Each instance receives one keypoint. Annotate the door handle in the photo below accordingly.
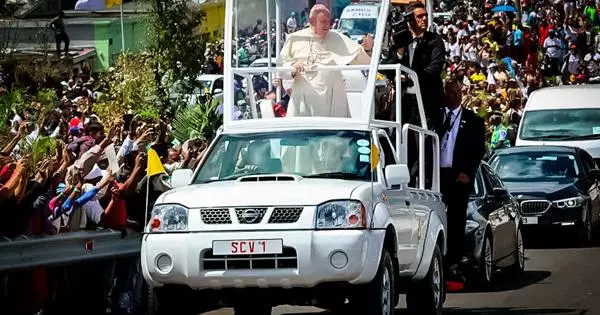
(407, 203)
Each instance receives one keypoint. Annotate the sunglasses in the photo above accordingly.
(421, 16)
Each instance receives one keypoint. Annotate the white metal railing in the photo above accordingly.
(423, 133)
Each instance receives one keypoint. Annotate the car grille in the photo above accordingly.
(215, 216)
(250, 215)
(285, 215)
(288, 259)
(534, 206)
(280, 215)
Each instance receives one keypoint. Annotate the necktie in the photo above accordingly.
(446, 126)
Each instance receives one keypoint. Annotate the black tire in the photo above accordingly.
(377, 297)
(426, 297)
(252, 309)
(485, 269)
(517, 270)
(167, 300)
(587, 232)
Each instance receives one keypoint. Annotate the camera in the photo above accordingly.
(398, 26)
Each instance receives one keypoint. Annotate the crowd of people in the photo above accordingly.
(499, 60)
(502, 59)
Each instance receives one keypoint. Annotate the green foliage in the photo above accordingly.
(174, 42)
(11, 102)
(130, 87)
(47, 100)
(199, 122)
(39, 149)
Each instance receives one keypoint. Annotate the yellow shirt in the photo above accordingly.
(478, 77)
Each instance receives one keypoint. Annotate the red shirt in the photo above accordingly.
(116, 216)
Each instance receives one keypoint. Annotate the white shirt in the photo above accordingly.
(449, 139)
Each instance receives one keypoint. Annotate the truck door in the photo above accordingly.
(399, 201)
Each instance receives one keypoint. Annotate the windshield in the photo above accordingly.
(358, 26)
(327, 154)
(525, 166)
(561, 124)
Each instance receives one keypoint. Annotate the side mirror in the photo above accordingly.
(181, 177)
(500, 193)
(217, 91)
(397, 174)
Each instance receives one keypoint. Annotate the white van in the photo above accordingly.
(359, 19)
(563, 116)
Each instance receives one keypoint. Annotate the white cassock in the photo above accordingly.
(320, 93)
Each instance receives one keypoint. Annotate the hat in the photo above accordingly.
(94, 173)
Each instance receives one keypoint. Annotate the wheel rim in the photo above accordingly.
(488, 259)
(386, 292)
(436, 278)
(521, 250)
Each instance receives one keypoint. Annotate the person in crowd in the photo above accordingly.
(60, 34)
(500, 137)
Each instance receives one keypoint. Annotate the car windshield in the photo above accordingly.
(317, 154)
(525, 166)
(571, 124)
(358, 26)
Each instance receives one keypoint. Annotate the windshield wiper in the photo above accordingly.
(597, 136)
(338, 175)
(549, 137)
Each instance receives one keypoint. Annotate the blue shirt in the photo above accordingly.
(518, 37)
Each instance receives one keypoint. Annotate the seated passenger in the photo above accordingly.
(320, 93)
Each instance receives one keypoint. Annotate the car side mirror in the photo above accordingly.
(500, 193)
(181, 177)
(217, 91)
(397, 174)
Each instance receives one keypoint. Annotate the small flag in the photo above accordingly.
(154, 164)
(374, 156)
(111, 3)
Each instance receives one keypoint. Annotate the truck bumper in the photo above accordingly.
(309, 258)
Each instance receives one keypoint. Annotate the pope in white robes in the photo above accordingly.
(320, 93)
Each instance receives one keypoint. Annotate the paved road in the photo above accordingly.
(558, 281)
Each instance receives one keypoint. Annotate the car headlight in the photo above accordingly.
(341, 214)
(168, 218)
(569, 202)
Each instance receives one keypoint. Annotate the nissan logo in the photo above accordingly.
(250, 216)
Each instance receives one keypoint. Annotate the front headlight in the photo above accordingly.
(168, 218)
(569, 202)
(471, 225)
(341, 214)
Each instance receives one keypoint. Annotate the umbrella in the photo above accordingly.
(504, 8)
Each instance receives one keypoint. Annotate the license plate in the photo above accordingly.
(530, 220)
(247, 247)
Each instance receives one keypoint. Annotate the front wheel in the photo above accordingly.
(426, 296)
(517, 269)
(377, 297)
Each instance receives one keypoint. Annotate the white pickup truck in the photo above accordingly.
(302, 211)
(289, 215)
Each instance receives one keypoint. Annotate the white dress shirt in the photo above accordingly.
(449, 139)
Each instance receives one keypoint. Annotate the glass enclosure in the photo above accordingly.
(323, 68)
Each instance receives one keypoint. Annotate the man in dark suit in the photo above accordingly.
(423, 52)
(462, 147)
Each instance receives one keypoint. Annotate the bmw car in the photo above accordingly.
(557, 187)
(493, 232)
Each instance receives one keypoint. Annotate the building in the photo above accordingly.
(93, 35)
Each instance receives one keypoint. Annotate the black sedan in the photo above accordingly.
(557, 187)
(493, 232)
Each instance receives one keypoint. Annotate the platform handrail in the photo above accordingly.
(69, 248)
(435, 185)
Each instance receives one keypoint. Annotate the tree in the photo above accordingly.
(175, 44)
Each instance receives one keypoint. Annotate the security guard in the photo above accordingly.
(499, 138)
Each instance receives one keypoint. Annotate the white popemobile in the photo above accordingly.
(301, 211)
